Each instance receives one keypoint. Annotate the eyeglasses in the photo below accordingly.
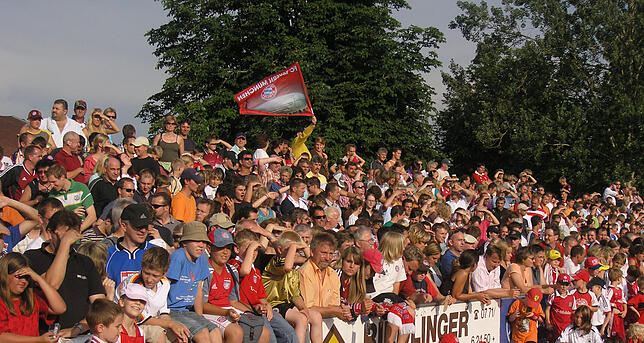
(242, 138)
(141, 228)
(129, 190)
(158, 205)
(359, 186)
(319, 217)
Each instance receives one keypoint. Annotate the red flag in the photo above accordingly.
(281, 94)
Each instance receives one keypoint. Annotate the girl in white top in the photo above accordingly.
(393, 273)
(581, 330)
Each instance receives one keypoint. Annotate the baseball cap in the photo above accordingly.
(593, 263)
(221, 238)
(449, 338)
(141, 141)
(533, 297)
(582, 274)
(34, 115)
(469, 239)
(240, 134)
(135, 291)
(447, 161)
(596, 281)
(375, 259)
(80, 104)
(194, 231)
(221, 220)
(522, 206)
(553, 254)
(191, 174)
(136, 215)
(563, 278)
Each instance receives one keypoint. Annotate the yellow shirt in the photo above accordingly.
(299, 143)
(281, 286)
(184, 208)
(316, 292)
(320, 177)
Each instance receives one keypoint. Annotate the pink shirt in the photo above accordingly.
(482, 279)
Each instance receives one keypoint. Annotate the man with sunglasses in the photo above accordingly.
(80, 109)
(240, 143)
(124, 189)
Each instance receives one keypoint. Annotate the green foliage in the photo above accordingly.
(555, 87)
(361, 69)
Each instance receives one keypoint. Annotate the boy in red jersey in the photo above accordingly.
(580, 281)
(560, 308)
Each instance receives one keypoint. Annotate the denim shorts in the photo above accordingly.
(193, 321)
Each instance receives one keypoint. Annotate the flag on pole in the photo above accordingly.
(281, 94)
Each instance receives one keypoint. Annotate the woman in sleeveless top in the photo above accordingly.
(170, 142)
(519, 274)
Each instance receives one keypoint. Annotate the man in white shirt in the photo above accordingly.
(443, 171)
(59, 124)
(487, 275)
(572, 263)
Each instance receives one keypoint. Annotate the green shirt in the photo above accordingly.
(76, 196)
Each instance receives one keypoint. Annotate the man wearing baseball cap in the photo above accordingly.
(524, 314)
(240, 143)
(143, 160)
(124, 258)
(34, 119)
(184, 207)
(80, 109)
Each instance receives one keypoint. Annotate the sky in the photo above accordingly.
(97, 51)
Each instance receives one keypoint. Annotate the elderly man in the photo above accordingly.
(332, 219)
(104, 189)
(455, 246)
(319, 283)
(59, 124)
(69, 159)
(487, 275)
(364, 238)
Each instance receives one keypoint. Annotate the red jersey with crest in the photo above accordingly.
(583, 298)
(251, 288)
(561, 310)
(220, 287)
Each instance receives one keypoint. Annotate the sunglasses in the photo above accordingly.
(158, 205)
(111, 117)
(319, 217)
(247, 158)
(129, 190)
(177, 237)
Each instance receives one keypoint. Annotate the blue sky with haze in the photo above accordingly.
(96, 50)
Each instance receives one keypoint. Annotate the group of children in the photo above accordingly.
(595, 304)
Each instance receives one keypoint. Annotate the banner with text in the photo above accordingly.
(281, 94)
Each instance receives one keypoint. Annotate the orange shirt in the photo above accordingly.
(314, 291)
(524, 329)
(184, 208)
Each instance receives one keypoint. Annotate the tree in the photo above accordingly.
(554, 86)
(361, 69)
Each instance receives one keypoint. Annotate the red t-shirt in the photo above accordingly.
(407, 288)
(638, 302)
(583, 298)
(138, 338)
(561, 310)
(220, 288)
(70, 163)
(20, 324)
(251, 288)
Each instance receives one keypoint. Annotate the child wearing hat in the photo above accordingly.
(561, 305)
(132, 301)
(187, 272)
(582, 296)
(524, 314)
(601, 317)
(553, 267)
(595, 268)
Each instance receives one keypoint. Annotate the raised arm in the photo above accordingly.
(30, 214)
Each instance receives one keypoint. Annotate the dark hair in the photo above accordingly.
(468, 259)
(167, 200)
(63, 218)
(44, 163)
(577, 250)
(523, 254)
(244, 153)
(102, 311)
(49, 203)
(62, 102)
(128, 131)
(121, 182)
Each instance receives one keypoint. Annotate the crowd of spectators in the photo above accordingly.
(175, 240)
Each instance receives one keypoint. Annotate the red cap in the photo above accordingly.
(449, 338)
(563, 278)
(593, 263)
(582, 274)
(375, 259)
(34, 115)
(533, 297)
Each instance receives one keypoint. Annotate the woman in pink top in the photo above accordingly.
(519, 274)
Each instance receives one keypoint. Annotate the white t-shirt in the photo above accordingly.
(50, 125)
(5, 163)
(603, 307)
(391, 273)
(570, 267)
(571, 335)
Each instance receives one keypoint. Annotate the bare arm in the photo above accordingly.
(156, 139)
(56, 272)
(181, 145)
(247, 265)
(56, 303)
(30, 214)
(199, 298)
(26, 196)
(90, 218)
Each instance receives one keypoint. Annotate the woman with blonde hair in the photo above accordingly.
(418, 236)
(432, 254)
(263, 201)
(100, 147)
(101, 123)
(170, 142)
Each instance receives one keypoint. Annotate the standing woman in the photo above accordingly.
(170, 142)
(99, 122)
(20, 307)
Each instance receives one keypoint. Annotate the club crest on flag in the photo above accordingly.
(269, 92)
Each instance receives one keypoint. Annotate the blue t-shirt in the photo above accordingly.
(11, 240)
(185, 276)
(446, 263)
(122, 263)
